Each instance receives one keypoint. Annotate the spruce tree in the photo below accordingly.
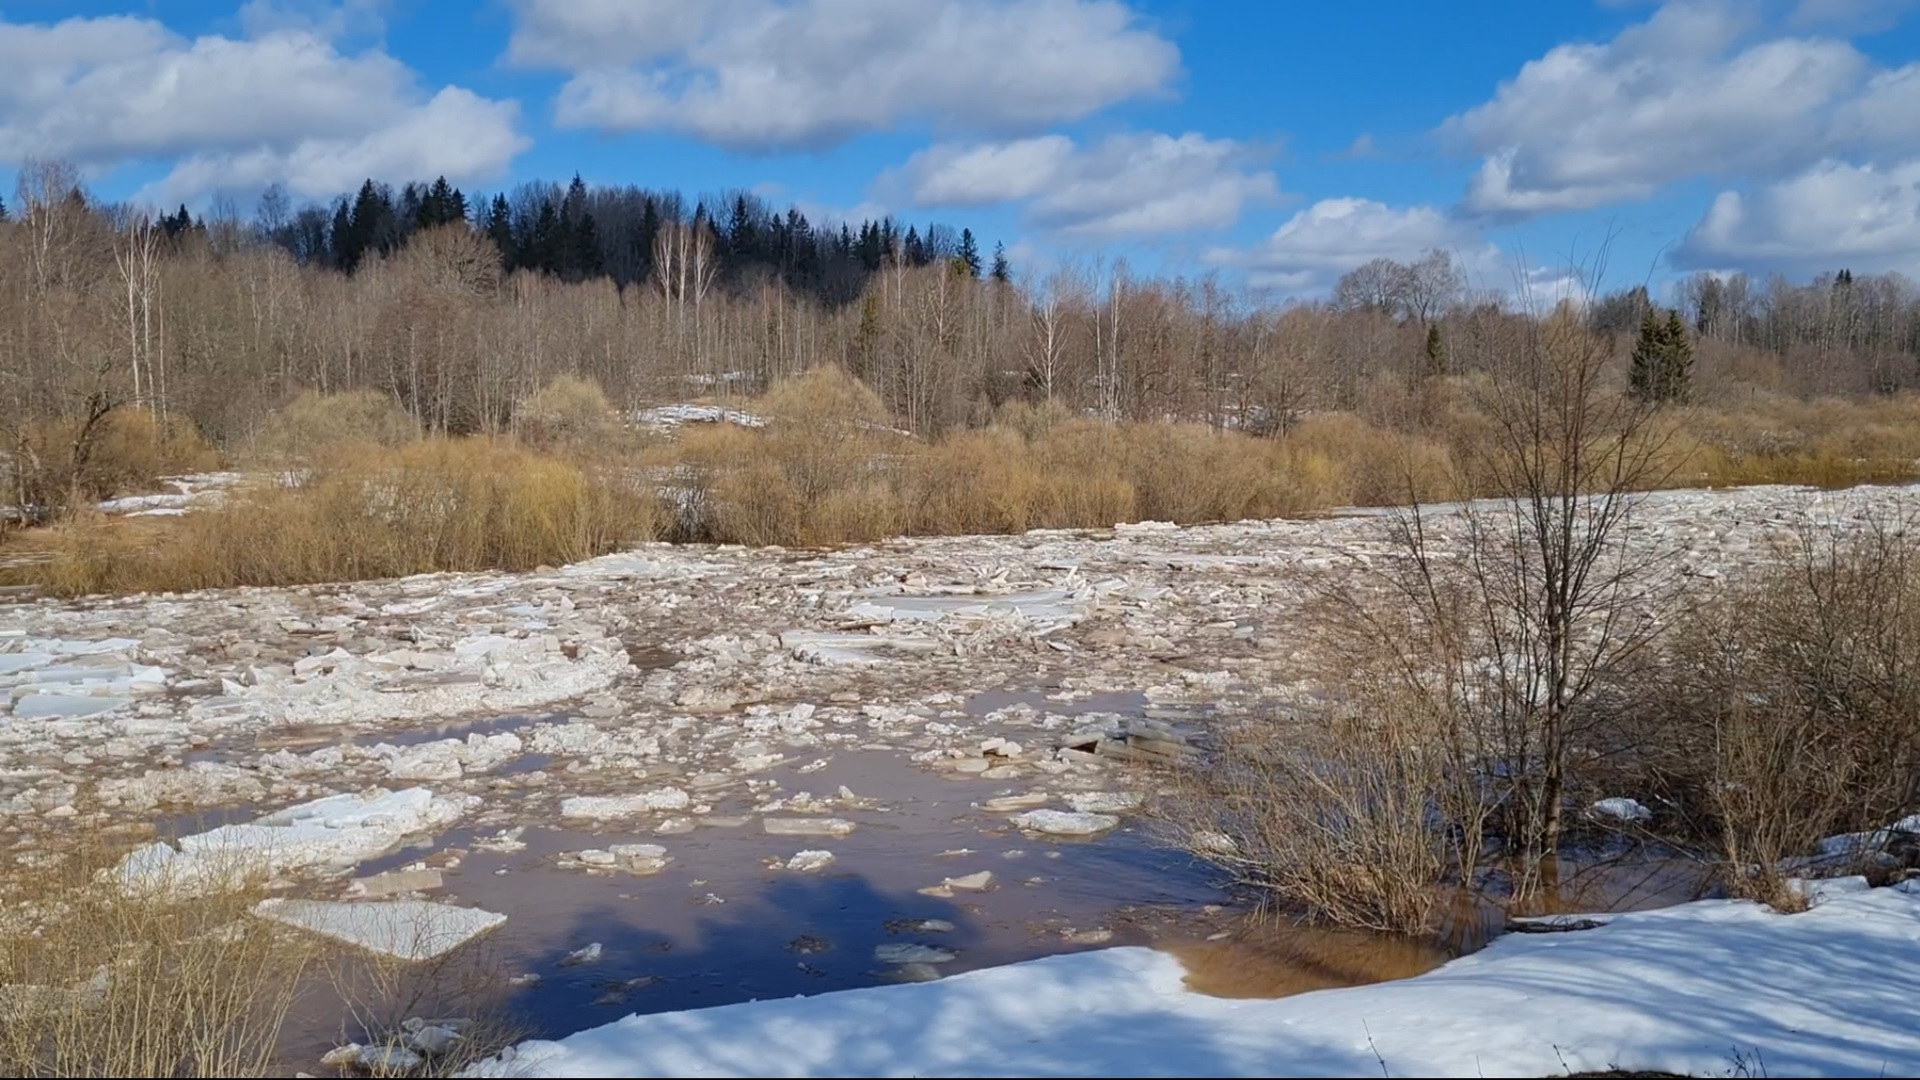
(1436, 351)
(340, 239)
(543, 249)
(500, 230)
(1001, 272)
(1643, 377)
(412, 207)
(969, 254)
(743, 239)
(3, 209)
(583, 256)
(1676, 381)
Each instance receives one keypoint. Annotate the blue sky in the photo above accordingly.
(1277, 143)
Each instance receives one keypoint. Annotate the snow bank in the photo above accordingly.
(670, 417)
(197, 489)
(331, 833)
(1827, 992)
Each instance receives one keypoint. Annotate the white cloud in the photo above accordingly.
(1832, 215)
(1125, 185)
(1856, 16)
(237, 114)
(1691, 91)
(457, 134)
(328, 19)
(1307, 254)
(772, 74)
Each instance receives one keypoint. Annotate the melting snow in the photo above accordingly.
(1684, 990)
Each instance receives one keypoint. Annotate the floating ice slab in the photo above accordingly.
(65, 706)
(602, 807)
(1046, 606)
(858, 650)
(1065, 822)
(1104, 802)
(407, 929)
(335, 832)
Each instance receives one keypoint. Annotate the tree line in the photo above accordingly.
(578, 233)
(457, 306)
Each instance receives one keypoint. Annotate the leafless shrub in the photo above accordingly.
(1350, 814)
(432, 1017)
(97, 982)
(568, 414)
(314, 425)
(1800, 686)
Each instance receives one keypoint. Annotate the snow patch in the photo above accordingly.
(1648, 991)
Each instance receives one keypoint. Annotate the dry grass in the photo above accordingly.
(1355, 463)
(434, 505)
(829, 470)
(97, 983)
(1827, 443)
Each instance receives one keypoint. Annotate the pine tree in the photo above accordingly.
(1676, 374)
(1643, 377)
(969, 254)
(1001, 272)
(1436, 351)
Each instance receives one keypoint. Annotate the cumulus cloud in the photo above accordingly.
(1125, 185)
(784, 74)
(1855, 16)
(234, 115)
(1307, 254)
(1697, 89)
(1834, 214)
(329, 19)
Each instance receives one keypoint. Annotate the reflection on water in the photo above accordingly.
(1270, 956)
(1273, 957)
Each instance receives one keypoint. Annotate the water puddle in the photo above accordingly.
(453, 729)
(1270, 958)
